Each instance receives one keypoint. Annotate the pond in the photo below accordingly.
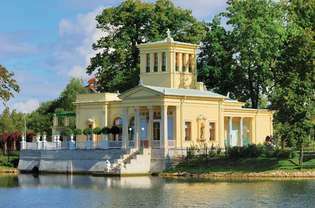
(54, 191)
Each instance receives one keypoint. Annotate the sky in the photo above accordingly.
(47, 42)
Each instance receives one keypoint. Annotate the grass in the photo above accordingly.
(245, 165)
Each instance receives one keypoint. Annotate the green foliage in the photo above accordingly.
(41, 119)
(8, 85)
(105, 130)
(88, 131)
(293, 94)
(240, 59)
(67, 132)
(97, 131)
(134, 22)
(115, 130)
(77, 132)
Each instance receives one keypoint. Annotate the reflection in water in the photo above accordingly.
(86, 191)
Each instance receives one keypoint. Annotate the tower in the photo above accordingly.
(168, 63)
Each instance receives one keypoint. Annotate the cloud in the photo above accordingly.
(26, 106)
(71, 54)
(203, 9)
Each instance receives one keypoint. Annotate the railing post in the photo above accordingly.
(71, 143)
(44, 142)
(23, 143)
(104, 142)
(58, 142)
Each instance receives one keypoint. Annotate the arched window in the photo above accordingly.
(117, 127)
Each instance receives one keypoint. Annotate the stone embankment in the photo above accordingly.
(238, 175)
(5, 170)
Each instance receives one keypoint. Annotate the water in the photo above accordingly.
(96, 192)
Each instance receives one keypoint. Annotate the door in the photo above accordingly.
(156, 130)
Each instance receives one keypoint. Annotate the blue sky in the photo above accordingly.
(46, 42)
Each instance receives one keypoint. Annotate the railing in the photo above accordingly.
(131, 143)
(114, 144)
(71, 145)
(156, 144)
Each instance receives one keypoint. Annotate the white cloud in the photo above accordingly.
(203, 9)
(26, 106)
(73, 51)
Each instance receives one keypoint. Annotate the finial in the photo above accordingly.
(168, 32)
(169, 37)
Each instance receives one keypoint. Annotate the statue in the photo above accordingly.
(202, 131)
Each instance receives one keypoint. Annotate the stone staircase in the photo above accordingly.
(134, 162)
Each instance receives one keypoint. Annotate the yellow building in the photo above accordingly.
(170, 110)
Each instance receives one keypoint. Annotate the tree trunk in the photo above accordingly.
(301, 156)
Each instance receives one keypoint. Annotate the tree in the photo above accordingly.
(241, 59)
(68, 95)
(293, 97)
(8, 85)
(215, 62)
(11, 126)
(133, 22)
(40, 120)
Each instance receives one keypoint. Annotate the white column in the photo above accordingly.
(164, 136)
(180, 62)
(150, 127)
(241, 131)
(125, 129)
(230, 131)
(137, 128)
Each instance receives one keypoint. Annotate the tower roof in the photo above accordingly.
(168, 41)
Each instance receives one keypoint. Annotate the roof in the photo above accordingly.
(168, 40)
(183, 92)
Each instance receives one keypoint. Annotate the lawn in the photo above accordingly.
(245, 165)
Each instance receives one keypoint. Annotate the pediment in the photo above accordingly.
(139, 93)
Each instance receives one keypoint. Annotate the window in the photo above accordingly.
(211, 131)
(163, 61)
(177, 62)
(156, 60)
(148, 62)
(190, 62)
(184, 64)
(187, 131)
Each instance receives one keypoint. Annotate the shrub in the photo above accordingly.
(191, 152)
(88, 131)
(97, 131)
(77, 132)
(249, 151)
(105, 130)
(67, 132)
(283, 154)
